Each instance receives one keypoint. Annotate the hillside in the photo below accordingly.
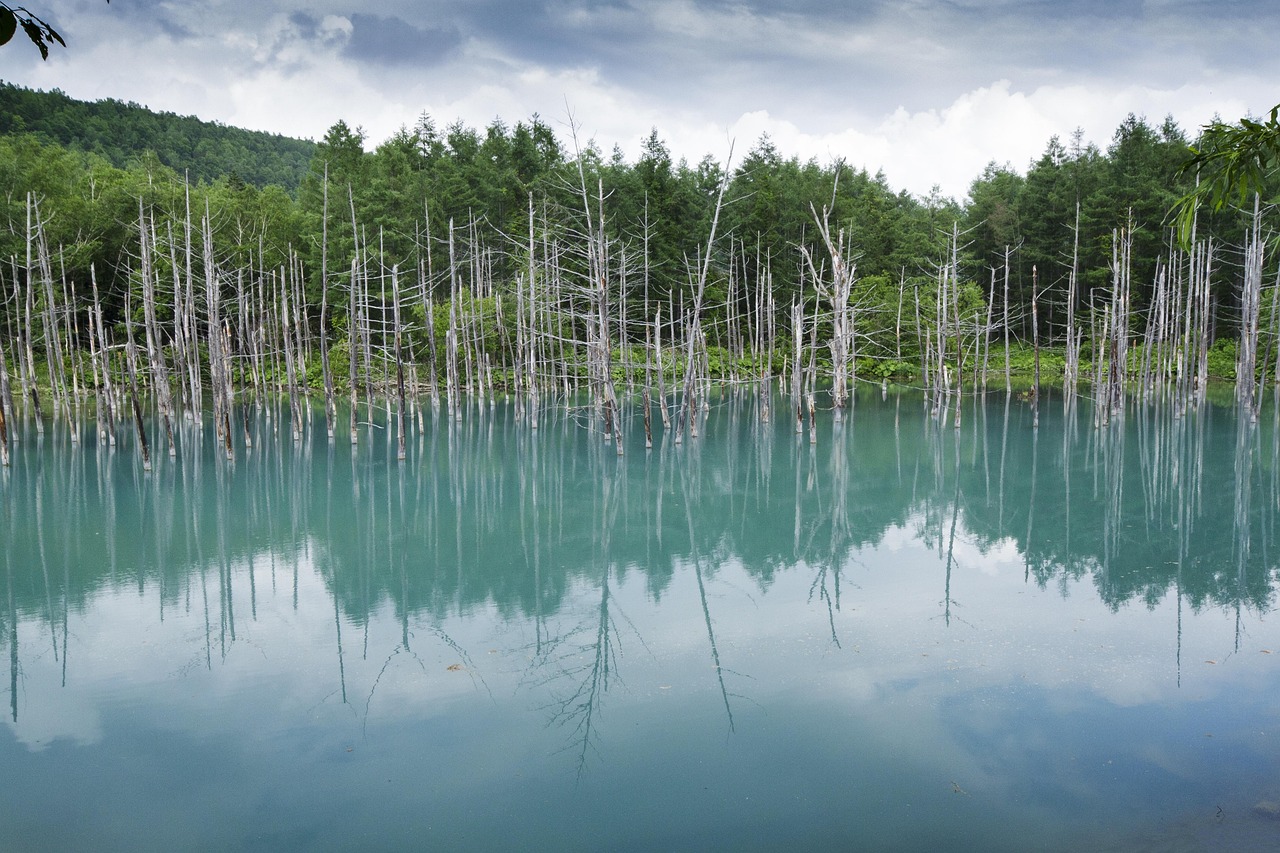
(122, 132)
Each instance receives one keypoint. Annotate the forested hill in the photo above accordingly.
(123, 132)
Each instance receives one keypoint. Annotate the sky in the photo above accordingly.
(927, 91)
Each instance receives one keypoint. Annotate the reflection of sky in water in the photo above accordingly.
(948, 695)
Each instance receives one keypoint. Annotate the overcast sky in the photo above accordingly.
(930, 91)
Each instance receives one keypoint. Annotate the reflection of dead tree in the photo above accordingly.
(373, 688)
(1186, 501)
(467, 664)
(1111, 444)
(44, 563)
(826, 596)
(841, 534)
(226, 610)
(711, 637)
(577, 710)
(702, 592)
(11, 614)
(805, 534)
(1031, 504)
(394, 515)
(1246, 430)
(951, 537)
(342, 668)
(531, 522)
(935, 530)
(403, 648)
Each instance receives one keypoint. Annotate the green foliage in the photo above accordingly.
(1232, 162)
(120, 133)
(993, 217)
(773, 202)
(41, 34)
(340, 362)
(1022, 361)
(887, 368)
(90, 209)
(1222, 359)
(1069, 208)
(725, 364)
(476, 319)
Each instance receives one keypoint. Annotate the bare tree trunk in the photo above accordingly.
(1035, 337)
(330, 404)
(400, 397)
(1072, 367)
(1250, 311)
(151, 328)
(5, 402)
(107, 395)
(353, 341)
(837, 293)
(955, 317)
(31, 382)
(1008, 373)
(131, 361)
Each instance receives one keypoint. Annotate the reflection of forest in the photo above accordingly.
(488, 511)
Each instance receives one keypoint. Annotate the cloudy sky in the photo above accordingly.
(930, 91)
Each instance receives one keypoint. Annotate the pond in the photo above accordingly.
(904, 636)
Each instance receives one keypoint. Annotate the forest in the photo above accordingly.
(516, 257)
(124, 133)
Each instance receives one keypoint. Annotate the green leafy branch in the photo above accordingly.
(1229, 161)
(42, 35)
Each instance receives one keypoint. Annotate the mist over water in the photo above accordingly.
(903, 636)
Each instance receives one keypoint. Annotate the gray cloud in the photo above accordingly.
(394, 41)
(149, 17)
(879, 77)
(786, 54)
(306, 26)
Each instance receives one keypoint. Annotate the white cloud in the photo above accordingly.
(915, 90)
(950, 146)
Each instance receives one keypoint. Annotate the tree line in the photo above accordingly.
(1042, 245)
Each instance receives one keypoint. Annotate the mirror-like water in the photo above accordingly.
(906, 636)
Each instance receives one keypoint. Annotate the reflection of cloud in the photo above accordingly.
(998, 558)
(1006, 630)
(992, 560)
(46, 711)
(1016, 706)
(897, 537)
(283, 655)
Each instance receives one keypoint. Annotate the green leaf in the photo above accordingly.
(8, 25)
(37, 37)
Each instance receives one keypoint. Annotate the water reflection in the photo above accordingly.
(532, 593)
(489, 512)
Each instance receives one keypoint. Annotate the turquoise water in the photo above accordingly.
(903, 637)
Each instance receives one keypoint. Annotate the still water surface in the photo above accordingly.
(904, 637)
